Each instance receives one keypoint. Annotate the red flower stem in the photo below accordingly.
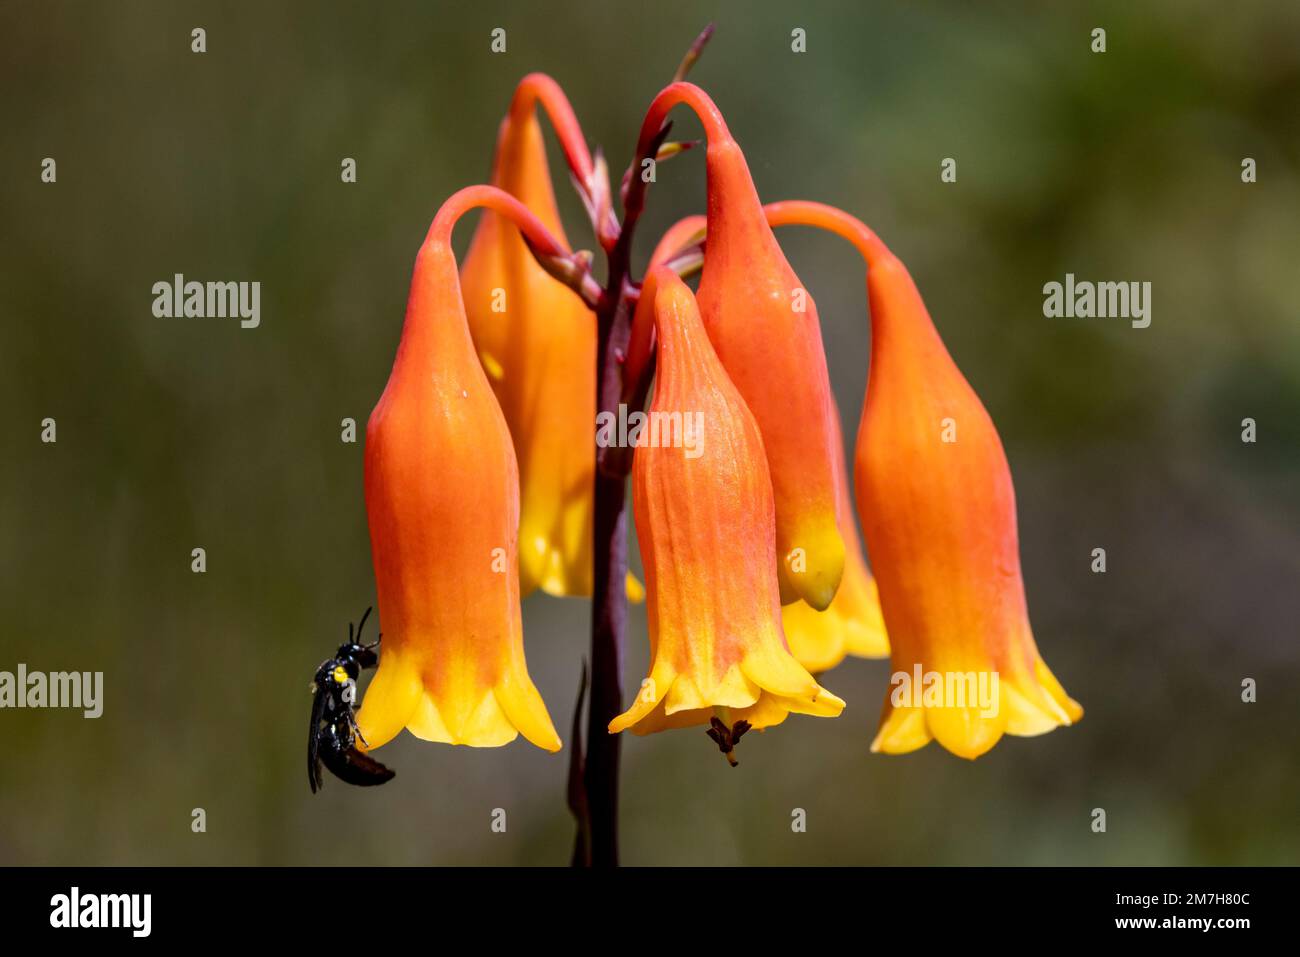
(609, 539)
(597, 841)
(540, 88)
(715, 129)
(598, 847)
(691, 229)
(802, 212)
(551, 254)
(499, 201)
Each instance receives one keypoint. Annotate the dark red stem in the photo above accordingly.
(597, 805)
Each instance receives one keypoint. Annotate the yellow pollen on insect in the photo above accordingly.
(341, 675)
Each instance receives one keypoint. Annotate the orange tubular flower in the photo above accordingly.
(764, 327)
(537, 341)
(705, 521)
(853, 624)
(938, 510)
(442, 497)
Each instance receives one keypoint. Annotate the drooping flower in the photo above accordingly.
(852, 624)
(442, 498)
(938, 511)
(763, 324)
(537, 341)
(705, 521)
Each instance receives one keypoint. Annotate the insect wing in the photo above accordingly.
(313, 741)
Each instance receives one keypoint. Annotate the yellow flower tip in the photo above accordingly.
(649, 698)
(1072, 709)
(865, 635)
(555, 578)
(494, 719)
(966, 732)
(525, 710)
(478, 723)
(390, 699)
(1022, 707)
(545, 565)
(534, 551)
(1035, 708)
(902, 730)
(702, 690)
(817, 639)
(812, 567)
(458, 711)
(772, 668)
(550, 570)
(852, 625)
(822, 704)
(862, 640)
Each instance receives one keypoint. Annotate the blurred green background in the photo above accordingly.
(174, 434)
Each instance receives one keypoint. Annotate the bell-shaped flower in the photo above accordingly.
(763, 324)
(705, 522)
(442, 498)
(939, 514)
(852, 624)
(537, 341)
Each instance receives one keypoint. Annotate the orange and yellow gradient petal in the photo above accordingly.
(852, 624)
(939, 514)
(442, 499)
(705, 521)
(763, 324)
(536, 339)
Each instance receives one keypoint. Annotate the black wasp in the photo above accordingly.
(332, 738)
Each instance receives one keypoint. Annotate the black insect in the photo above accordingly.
(332, 738)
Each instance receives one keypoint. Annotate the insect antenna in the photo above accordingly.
(361, 624)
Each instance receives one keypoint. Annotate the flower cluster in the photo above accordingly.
(481, 460)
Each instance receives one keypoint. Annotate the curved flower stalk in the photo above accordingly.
(764, 327)
(938, 510)
(442, 498)
(705, 521)
(537, 342)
